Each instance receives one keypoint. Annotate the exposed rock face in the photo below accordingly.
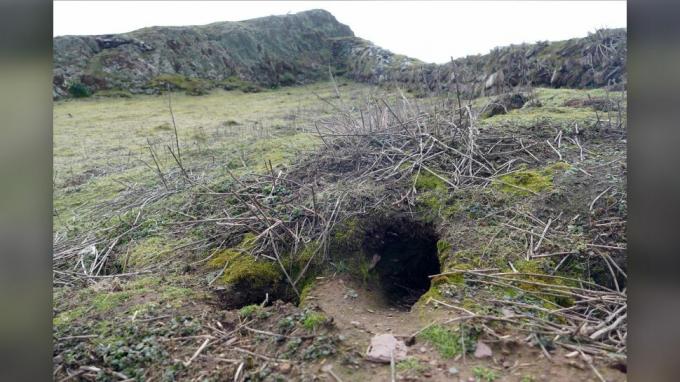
(298, 48)
(593, 61)
(263, 51)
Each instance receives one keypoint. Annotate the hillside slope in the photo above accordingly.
(594, 61)
(266, 51)
(298, 48)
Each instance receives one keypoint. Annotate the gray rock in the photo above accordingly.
(385, 346)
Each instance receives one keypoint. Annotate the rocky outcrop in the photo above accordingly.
(265, 51)
(593, 61)
(298, 48)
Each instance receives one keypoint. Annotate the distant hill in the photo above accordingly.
(299, 48)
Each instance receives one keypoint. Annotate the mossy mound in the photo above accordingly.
(525, 182)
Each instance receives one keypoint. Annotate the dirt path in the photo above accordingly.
(360, 312)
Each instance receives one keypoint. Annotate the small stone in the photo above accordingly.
(427, 374)
(507, 364)
(432, 363)
(422, 349)
(355, 323)
(453, 370)
(482, 350)
(285, 368)
(385, 346)
(471, 379)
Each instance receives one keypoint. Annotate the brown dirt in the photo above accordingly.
(358, 318)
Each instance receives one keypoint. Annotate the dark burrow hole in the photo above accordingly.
(402, 253)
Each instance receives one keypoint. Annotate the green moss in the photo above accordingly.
(443, 250)
(114, 93)
(432, 293)
(235, 83)
(105, 302)
(427, 181)
(456, 279)
(304, 293)
(148, 251)
(312, 320)
(249, 311)
(347, 238)
(245, 268)
(192, 86)
(79, 90)
(65, 318)
(553, 112)
(524, 181)
(241, 267)
(520, 181)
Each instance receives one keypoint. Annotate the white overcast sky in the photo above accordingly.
(430, 31)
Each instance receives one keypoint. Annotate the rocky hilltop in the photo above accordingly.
(300, 48)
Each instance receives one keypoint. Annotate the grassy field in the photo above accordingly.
(102, 145)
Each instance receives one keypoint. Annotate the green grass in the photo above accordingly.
(484, 374)
(411, 365)
(313, 320)
(249, 311)
(446, 341)
(100, 144)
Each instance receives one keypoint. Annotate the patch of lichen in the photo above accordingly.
(525, 181)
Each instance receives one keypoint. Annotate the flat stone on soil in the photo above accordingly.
(383, 346)
(482, 350)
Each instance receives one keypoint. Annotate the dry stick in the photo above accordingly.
(543, 349)
(158, 168)
(179, 163)
(592, 204)
(198, 351)
(455, 79)
(596, 335)
(543, 234)
(393, 372)
(237, 375)
(554, 149)
(174, 125)
(611, 271)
